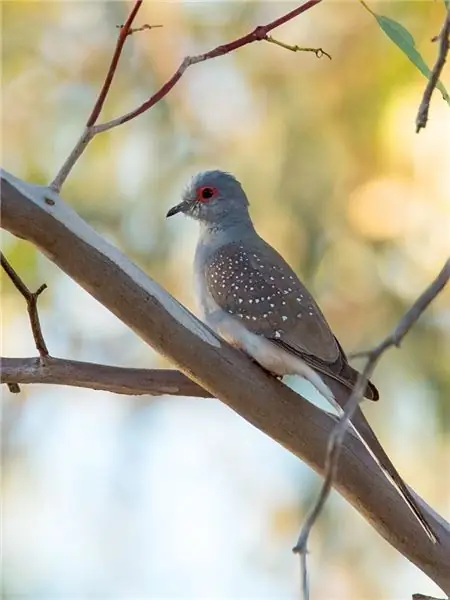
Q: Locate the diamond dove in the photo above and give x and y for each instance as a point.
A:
(251, 297)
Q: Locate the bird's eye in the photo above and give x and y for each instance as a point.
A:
(206, 193)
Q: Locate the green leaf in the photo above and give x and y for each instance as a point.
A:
(398, 34)
(405, 41)
(447, 4)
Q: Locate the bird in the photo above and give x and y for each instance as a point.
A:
(251, 297)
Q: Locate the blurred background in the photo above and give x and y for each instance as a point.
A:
(121, 497)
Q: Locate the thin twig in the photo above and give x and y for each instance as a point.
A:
(133, 30)
(305, 577)
(31, 299)
(444, 43)
(92, 129)
(319, 52)
(88, 134)
(123, 34)
(359, 354)
(338, 433)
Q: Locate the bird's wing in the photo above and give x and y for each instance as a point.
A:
(257, 286)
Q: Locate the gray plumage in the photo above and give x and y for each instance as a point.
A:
(251, 297)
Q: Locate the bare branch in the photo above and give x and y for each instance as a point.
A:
(88, 133)
(68, 165)
(444, 42)
(338, 434)
(31, 298)
(319, 52)
(119, 380)
(123, 34)
(258, 34)
(91, 129)
(417, 309)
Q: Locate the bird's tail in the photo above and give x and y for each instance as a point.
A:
(351, 375)
(369, 439)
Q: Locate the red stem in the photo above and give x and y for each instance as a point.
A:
(258, 34)
(124, 30)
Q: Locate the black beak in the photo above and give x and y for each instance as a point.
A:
(182, 207)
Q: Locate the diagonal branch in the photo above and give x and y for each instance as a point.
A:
(91, 129)
(88, 132)
(119, 380)
(225, 373)
(338, 434)
(444, 44)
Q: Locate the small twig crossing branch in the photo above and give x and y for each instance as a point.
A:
(444, 45)
(92, 129)
(338, 433)
(141, 28)
(31, 298)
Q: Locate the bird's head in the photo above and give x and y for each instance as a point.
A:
(214, 197)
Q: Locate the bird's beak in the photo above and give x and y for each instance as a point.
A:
(182, 207)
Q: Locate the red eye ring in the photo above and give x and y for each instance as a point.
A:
(205, 193)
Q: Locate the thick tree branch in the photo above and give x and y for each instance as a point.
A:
(91, 129)
(119, 380)
(39, 215)
(444, 44)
